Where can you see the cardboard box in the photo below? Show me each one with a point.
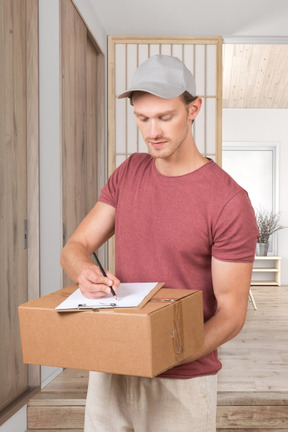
(141, 342)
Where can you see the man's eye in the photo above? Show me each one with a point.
(166, 118)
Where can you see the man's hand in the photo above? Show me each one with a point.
(94, 230)
(94, 285)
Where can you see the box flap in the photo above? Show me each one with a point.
(172, 294)
(163, 298)
(50, 301)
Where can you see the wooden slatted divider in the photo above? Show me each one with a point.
(203, 56)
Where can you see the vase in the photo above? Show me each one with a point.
(262, 249)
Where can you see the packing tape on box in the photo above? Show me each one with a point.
(177, 332)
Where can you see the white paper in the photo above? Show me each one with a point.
(128, 295)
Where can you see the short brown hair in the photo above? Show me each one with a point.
(187, 98)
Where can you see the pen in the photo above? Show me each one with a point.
(104, 273)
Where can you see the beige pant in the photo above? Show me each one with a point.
(118, 403)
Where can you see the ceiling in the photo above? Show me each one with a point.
(193, 17)
(254, 76)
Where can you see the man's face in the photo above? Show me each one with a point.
(163, 123)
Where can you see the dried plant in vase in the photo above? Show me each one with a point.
(268, 223)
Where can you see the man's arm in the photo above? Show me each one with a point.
(94, 230)
(231, 283)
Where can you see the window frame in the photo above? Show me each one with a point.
(274, 147)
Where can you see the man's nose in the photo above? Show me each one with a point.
(155, 130)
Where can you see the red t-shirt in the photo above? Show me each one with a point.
(167, 229)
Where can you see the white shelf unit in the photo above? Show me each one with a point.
(267, 265)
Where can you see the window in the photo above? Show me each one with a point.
(255, 167)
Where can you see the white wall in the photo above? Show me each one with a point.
(193, 17)
(87, 11)
(50, 161)
(17, 423)
(267, 126)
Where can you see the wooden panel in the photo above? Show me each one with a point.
(253, 398)
(255, 76)
(53, 430)
(91, 184)
(13, 203)
(262, 417)
(74, 136)
(81, 127)
(56, 417)
(33, 176)
(251, 430)
(101, 123)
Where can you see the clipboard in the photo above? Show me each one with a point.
(129, 295)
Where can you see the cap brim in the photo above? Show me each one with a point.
(159, 89)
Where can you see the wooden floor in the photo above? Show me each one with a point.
(253, 383)
(252, 386)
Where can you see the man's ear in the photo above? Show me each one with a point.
(194, 108)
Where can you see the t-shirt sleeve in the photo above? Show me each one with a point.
(110, 192)
(236, 231)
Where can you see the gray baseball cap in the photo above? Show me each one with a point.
(164, 76)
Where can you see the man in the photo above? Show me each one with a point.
(177, 218)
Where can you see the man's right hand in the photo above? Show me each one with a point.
(96, 228)
(94, 285)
